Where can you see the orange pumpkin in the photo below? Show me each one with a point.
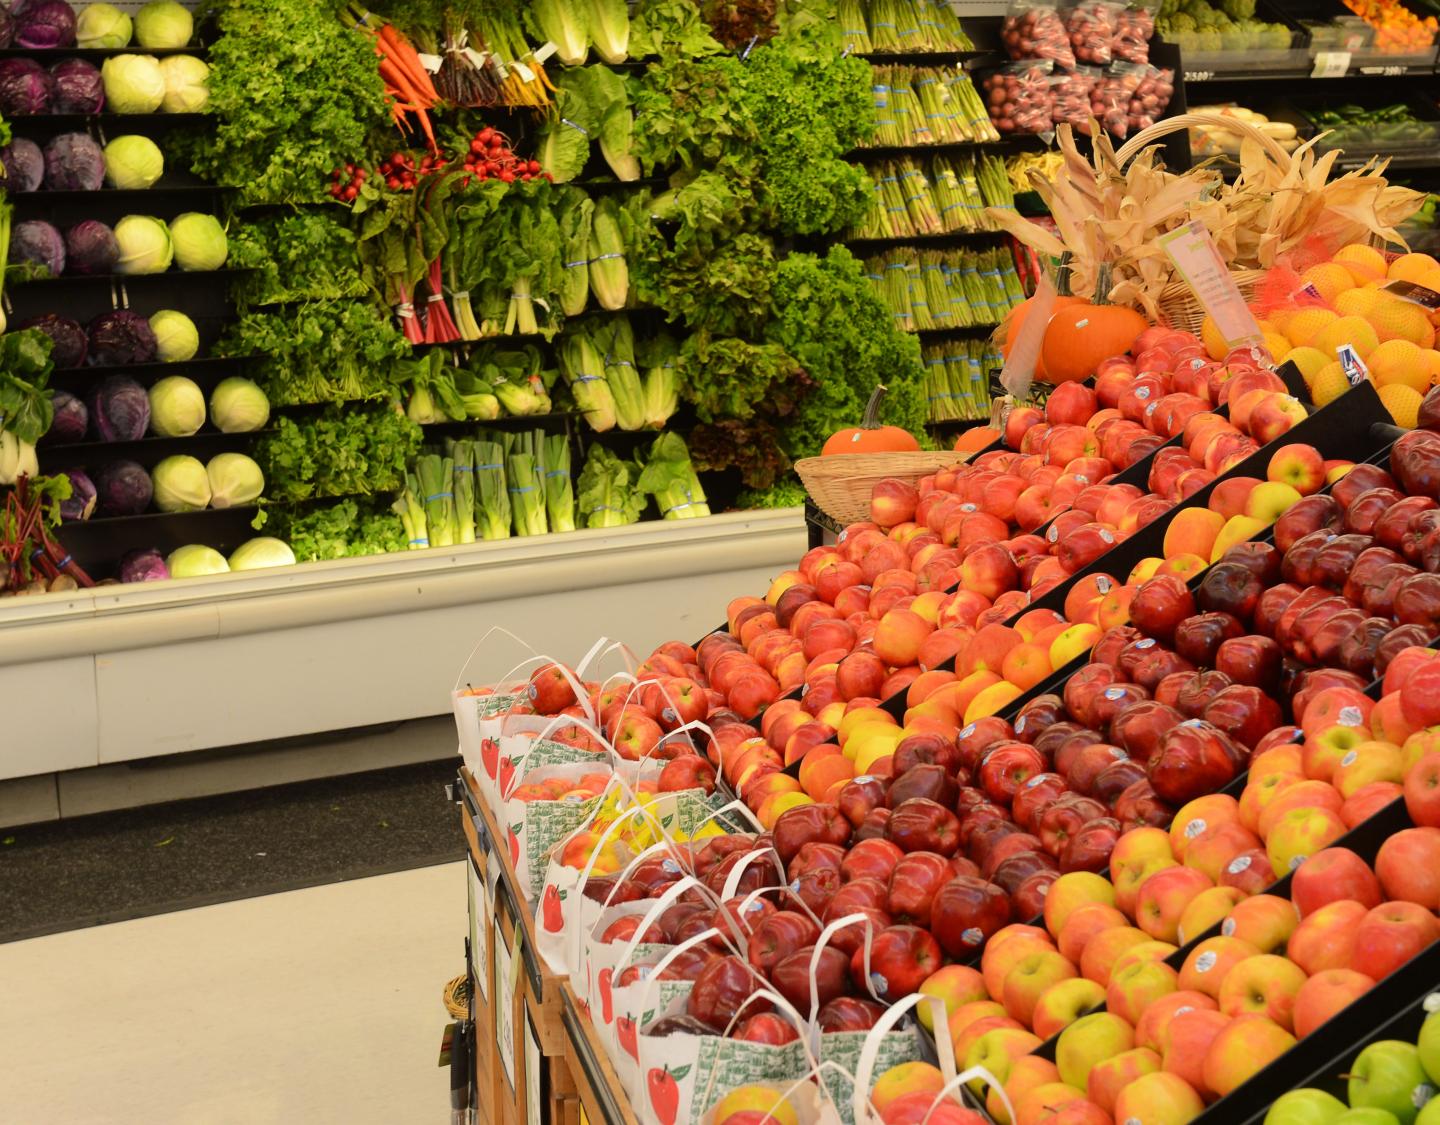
(976, 439)
(1080, 335)
(870, 436)
(1016, 321)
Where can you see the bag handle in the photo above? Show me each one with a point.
(605, 836)
(820, 943)
(661, 904)
(864, 1112)
(647, 983)
(789, 1011)
(581, 695)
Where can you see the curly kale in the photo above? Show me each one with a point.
(345, 451)
(730, 378)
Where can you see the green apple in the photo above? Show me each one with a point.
(1367, 1116)
(1386, 1076)
(1305, 1107)
(1430, 1114)
(1429, 1045)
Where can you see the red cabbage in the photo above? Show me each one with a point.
(24, 165)
(90, 247)
(82, 497)
(121, 409)
(7, 26)
(78, 88)
(74, 162)
(45, 24)
(70, 422)
(66, 336)
(121, 337)
(125, 489)
(146, 565)
(37, 241)
(25, 87)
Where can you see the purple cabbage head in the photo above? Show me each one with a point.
(121, 337)
(146, 565)
(7, 26)
(71, 420)
(120, 409)
(78, 88)
(67, 337)
(45, 24)
(25, 87)
(82, 497)
(24, 165)
(90, 247)
(37, 241)
(125, 489)
(74, 162)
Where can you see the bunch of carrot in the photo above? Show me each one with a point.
(407, 82)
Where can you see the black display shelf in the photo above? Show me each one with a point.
(115, 124)
(1026, 142)
(139, 371)
(933, 241)
(168, 185)
(147, 451)
(961, 330)
(98, 544)
(920, 58)
(98, 54)
(207, 277)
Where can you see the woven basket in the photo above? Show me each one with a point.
(841, 484)
(457, 998)
(1178, 304)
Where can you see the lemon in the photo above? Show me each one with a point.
(1394, 319)
(1310, 361)
(1351, 330)
(1403, 404)
(1301, 327)
(1399, 361)
(1412, 267)
(1364, 263)
(1329, 384)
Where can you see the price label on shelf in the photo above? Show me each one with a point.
(1199, 75)
(1198, 261)
(1331, 64)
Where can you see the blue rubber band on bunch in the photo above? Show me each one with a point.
(440, 496)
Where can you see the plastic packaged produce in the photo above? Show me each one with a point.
(195, 560)
(177, 407)
(24, 165)
(238, 406)
(133, 162)
(120, 338)
(69, 343)
(176, 338)
(78, 88)
(45, 24)
(260, 553)
(133, 83)
(1070, 94)
(125, 489)
(35, 240)
(143, 565)
(1018, 97)
(25, 87)
(181, 484)
(74, 162)
(1091, 27)
(144, 245)
(1036, 31)
(235, 480)
(81, 504)
(120, 409)
(102, 25)
(163, 24)
(187, 84)
(1134, 28)
(91, 248)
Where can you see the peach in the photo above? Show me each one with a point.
(1192, 532)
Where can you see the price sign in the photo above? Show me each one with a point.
(1331, 64)
(1198, 261)
(1199, 75)
(1415, 294)
(1353, 366)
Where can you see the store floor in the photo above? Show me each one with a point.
(318, 1005)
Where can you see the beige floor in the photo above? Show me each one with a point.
(315, 1006)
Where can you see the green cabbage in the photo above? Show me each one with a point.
(177, 407)
(133, 162)
(195, 561)
(102, 25)
(181, 485)
(199, 241)
(163, 23)
(238, 406)
(176, 338)
(262, 552)
(133, 84)
(144, 245)
(235, 480)
(187, 84)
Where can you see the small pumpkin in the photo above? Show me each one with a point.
(977, 438)
(1080, 336)
(870, 436)
(1016, 321)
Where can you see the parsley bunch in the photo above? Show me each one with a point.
(343, 452)
(307, 255)
(343, 529)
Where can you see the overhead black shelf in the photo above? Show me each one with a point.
(934, 241)
(166, 185)
(97, 524)
(93, 54)
(1027, 142)
(919, 58)
(224, 274)
(182, 367)
(147, 451)
(954, 330)
(125, 122)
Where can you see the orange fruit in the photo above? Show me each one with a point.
(1403, 404)
(1412, 267)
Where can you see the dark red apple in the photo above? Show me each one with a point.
(720, 990)
(966, 912)
(1192, 760)
(920, 825)
(1090, 848)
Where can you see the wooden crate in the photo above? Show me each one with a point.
(482, 988)
(601, 1099)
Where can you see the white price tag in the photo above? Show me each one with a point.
(543, 52)
(431, 63)
(1198, 261)
(1331, 64)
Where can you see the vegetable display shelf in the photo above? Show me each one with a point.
(147, 451)
(98, 55)
(98, 543)
(204, 370)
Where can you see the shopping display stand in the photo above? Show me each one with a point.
(536, 1058)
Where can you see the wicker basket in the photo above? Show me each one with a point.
(1178, 304)
(456, 997)
(840, 484)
